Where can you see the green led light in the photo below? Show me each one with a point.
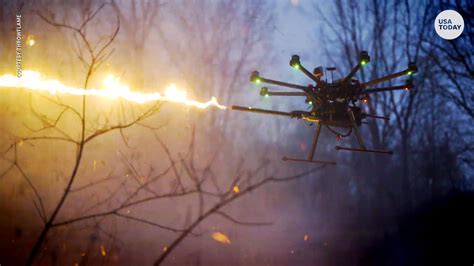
(257, 80)
(409, 73)
(266, 95)
(297, 66)
(310, 103)
(363, 62)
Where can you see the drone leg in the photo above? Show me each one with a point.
(356, 129)
(359, 139)
(363, 150)
(315, 142)
(378, 117)
(313, 150)
(307, 161)
(260, 111)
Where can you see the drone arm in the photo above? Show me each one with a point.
(282, 84)
(392, 88)
(386, 78)
(364, 58)
(353, 72)
(310, 75)
(412, 69)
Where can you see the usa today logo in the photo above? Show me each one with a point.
(449, 24)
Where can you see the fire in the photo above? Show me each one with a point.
(236, 189)
(113, 89)
(220, 237)
(30, 40)
(102, 251)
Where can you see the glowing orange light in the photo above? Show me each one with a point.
(306, 237)
(220, 237)
(165, 248)
(236, 189)
(102, 251)
(113, 89)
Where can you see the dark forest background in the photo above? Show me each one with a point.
(88, 182)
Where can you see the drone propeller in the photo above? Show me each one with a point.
(296, 63)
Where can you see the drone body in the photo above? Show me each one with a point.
(333, 104)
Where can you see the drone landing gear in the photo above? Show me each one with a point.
(359, 139)
(363, 150)
(312, 151)
(307, 161)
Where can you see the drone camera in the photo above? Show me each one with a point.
(412, 68)
(255, 77)
(295, 61)
(264, 92)
(364, 58)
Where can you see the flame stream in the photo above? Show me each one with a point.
(113, 89)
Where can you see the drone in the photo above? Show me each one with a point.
(332, 104)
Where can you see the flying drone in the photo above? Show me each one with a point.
(332, 104)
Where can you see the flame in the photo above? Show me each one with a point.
(102, 251)
(113, 89)
(236, 189)
(30, 40)
(220, 237)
